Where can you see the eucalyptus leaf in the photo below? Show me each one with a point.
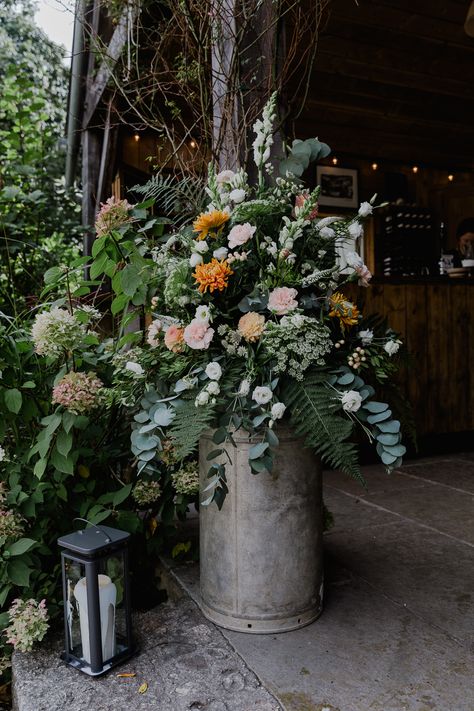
(376, 407)
(257, 450)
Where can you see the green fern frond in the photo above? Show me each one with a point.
(180, 200)
(188, 425)
(311, 405)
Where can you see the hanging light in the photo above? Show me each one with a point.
(375, 166)
(193, 143)
(450, 177)
(335, 161)
(415, 169)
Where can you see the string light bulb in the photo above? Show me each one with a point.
(375, 166)
(450, 178)
(136, 138)
(193, 144)
(335, 161)
(415, 169)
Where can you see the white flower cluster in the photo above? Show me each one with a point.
(296, 343)
(57, 331)
(264, 133)
(324, 279)
(231, 342)
(186, 479)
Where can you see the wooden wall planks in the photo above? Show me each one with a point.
(435, 321)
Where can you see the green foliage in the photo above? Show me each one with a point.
(188, 425)
(301, 154)
(176, 199)
(314, 416)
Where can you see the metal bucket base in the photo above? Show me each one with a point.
(259, 626)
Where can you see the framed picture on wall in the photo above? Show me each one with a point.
(338, 186)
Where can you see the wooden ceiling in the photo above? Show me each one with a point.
(394, 79)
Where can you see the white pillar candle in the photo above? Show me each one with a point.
(107, 602)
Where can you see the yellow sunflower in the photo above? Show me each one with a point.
(213, 275)
(210, 223)
(345, 311)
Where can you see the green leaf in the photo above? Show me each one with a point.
(121, 495)
(272, 438)
(21, 546)
(119, 303)
(64, 443)
(215, 453)
(257, 450)
(40, 468)
(346, 379)
(130, 279)
(29, 385)
(98, 265)
(68, 420)
(380, 417)
(392, 427)
(13, 400)
(61, 463)
(98, 245)
(19, 572)
(52, 274)
(376, 407)
(389, 439)
(220, 435)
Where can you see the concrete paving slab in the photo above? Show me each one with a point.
(455, 473)
(429, 574)
(185, 660)
(351, 513)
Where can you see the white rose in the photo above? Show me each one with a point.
(391, 347)
(203, 313)
(225, 176)
(200, 247)
(220, 253)
(366, 336)
(240, 234)
(134, 367)
(327, 232)
(262, 394)
(326, 221)
(195, 259)
(365, 209)
(351, 401)
(244, 388)
(213, 371)
(237, 195)
(355, 230)
(278, 410)
(213, 388)
(202, 398)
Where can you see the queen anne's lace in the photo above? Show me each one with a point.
(296, 343)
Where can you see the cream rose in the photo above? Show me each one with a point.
(251, 326)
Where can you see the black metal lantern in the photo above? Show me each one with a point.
(96, 592)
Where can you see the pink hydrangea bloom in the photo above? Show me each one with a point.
(113, 214)
(282, 300)
(198, 335)
(78, 392)
(28, 624)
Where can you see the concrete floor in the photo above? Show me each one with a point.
(397, 631)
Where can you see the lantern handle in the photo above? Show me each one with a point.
(99, 530)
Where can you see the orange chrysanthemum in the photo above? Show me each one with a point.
(210, 223)
(345, 311)
(213, 275)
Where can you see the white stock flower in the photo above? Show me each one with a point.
(213, 388)
(353, 259)
(202, 398)
(220, 253)
(237, 195)
(392, 347)
(213, 371)
(3, 454)
(244, 388)
(355, 230)
(365, 209)
(351, 401)
(262, 395)
(325, 221)
(200, 247)
(134, 367)
(203, 313)
(195, 259)
(366, 336)
(278, 410)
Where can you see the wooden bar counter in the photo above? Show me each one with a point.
(435, 319)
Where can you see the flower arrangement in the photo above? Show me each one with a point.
(252, 324)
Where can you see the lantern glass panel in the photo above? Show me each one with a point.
(112, 568)
(74, 572)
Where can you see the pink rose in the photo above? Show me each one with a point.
(174, 338)
(282, 300)
(198, 335)
(365, 275)
(240, 234)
